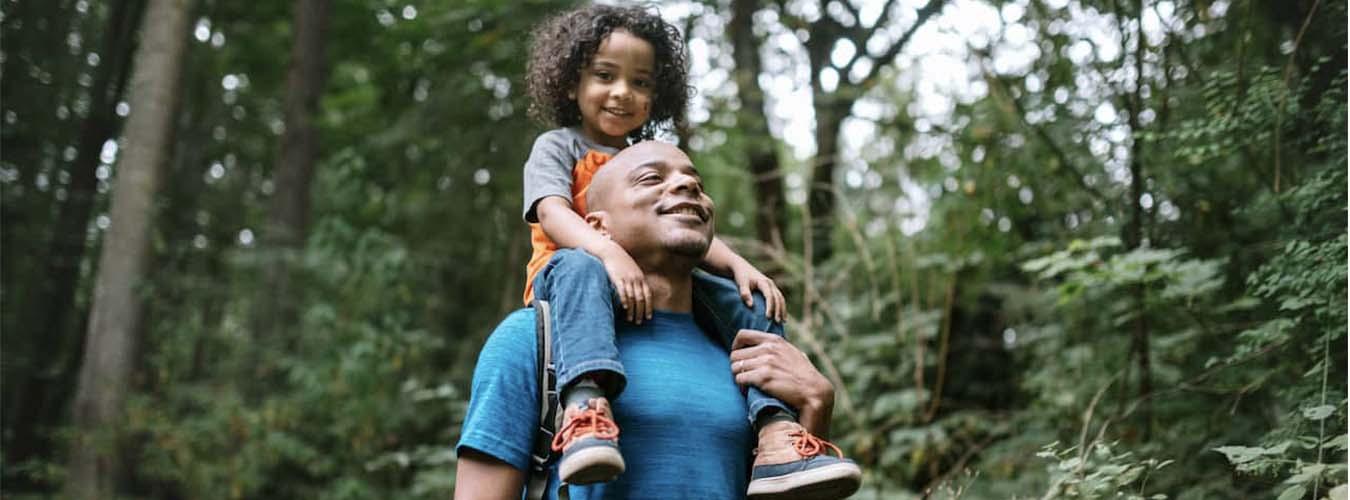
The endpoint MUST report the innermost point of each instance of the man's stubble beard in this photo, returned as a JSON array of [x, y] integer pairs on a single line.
[[691, 247]]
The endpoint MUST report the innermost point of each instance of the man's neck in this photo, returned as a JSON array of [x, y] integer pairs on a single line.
[[674, 294], [671, 283]]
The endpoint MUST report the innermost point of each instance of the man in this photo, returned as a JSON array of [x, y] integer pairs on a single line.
[[683, 414]]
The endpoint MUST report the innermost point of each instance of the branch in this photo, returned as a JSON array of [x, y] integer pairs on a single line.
[[924, 13], [944, 341], [789, 19], [1043, 135], [881, 22], [852, 11]]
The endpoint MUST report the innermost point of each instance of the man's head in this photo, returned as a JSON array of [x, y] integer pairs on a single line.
[[649, 199]]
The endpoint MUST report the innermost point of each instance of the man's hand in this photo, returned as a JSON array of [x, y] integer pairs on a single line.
[[777, 367], [748, 279], [629, 283]]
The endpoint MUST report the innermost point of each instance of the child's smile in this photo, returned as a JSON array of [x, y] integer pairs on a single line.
[[614, 93]]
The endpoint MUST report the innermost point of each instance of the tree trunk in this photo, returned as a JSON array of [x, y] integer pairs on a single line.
[[833, 106], [53, 298], [288, 215], [829, 118], [1134, 230], [114, 327], [751, 119]]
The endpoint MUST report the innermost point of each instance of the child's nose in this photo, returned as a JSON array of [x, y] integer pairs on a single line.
[[620, 90]]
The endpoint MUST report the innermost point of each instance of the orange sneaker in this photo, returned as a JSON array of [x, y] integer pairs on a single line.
[[791, 463], [589, 442]]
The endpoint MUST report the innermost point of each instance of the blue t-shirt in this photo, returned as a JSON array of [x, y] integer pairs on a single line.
[[683, 430]]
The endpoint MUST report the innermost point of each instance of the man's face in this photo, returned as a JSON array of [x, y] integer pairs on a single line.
[[657, 203]]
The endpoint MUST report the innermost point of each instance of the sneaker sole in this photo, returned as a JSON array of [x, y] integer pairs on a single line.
[[830, 482], [594, 465]]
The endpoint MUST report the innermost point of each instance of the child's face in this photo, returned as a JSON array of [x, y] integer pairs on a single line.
[[615, 90]]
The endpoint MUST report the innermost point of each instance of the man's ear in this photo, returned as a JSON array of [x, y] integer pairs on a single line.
[[599, 221]]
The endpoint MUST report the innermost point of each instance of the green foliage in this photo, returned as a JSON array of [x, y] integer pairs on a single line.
[[1099, 472], [985, 298]]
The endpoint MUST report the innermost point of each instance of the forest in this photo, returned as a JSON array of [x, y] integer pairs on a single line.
[[1041, 248]]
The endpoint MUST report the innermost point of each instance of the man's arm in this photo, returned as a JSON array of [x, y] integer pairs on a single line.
[[501, 421], [480, 476], [777, 367]]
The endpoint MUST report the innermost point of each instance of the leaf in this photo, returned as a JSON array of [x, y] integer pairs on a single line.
[[1243, 454], [1293, 493], [1337, 493], [1336, 443], [1318, 412], [1307, 473]]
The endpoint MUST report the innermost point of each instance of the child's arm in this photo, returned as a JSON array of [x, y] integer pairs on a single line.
[[722, 261], [569, 230]]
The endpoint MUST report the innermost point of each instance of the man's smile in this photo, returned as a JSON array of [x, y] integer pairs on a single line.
[[686, 209]]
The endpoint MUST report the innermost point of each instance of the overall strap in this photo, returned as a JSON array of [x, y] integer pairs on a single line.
[[548, 401]]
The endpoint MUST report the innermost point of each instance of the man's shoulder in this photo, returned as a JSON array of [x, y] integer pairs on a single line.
[[514, 334], [503, 409]]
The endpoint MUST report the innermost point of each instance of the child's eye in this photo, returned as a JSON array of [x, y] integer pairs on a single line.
[[604, 75], [646, 84]]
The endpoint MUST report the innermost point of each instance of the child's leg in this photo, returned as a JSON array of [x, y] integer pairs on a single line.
[[581, 298], [789, 461], [582, 302], [719, 309]]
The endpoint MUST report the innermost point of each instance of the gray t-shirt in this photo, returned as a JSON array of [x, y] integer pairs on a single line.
[[548, 171]]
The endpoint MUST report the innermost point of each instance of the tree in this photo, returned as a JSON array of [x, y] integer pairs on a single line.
[[114, 335], [751, 118], [835, 87], [53, 298], [288, 216]]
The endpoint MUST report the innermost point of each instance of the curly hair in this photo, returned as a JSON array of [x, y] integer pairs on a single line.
[[564, 44]]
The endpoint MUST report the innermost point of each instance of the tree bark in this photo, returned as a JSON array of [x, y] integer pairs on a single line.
[[1134, 230], [833, 106], [288, 215], [53, 297], [829, 118], [751, 119], [114, 328]]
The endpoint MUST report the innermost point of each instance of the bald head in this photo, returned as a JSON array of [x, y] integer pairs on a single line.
[[649, 199], [611, 177]]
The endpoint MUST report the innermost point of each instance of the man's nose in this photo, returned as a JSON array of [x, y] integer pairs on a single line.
[[685, 183]]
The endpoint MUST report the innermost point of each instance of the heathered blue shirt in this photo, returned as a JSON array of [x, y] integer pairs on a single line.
[[683, 430]]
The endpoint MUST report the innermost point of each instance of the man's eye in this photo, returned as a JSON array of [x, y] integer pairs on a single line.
[[649, 179]]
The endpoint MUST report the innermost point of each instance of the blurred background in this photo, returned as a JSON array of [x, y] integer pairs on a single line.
[[1043, 248]]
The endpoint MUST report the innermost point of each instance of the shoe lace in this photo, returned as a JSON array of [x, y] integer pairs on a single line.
[[808, 445], [589, 421]]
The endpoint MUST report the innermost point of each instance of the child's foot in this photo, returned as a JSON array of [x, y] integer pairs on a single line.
[[589, 442], [790, 463]]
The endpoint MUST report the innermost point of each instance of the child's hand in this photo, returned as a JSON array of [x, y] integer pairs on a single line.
[[749, 279], [630, 284]]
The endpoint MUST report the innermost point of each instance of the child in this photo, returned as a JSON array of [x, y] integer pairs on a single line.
[[607, 76]]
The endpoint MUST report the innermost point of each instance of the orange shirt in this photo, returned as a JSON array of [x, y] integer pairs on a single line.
[[543, 247]]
